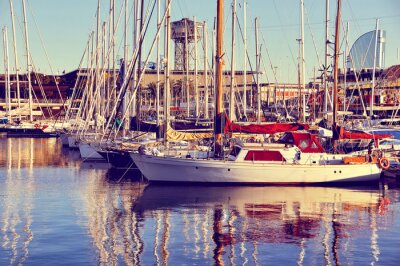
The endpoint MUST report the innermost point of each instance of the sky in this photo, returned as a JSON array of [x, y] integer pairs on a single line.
[[59, 30]]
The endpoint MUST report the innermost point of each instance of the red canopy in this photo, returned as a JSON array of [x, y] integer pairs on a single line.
[[344, 134], [263, 129], [307, 142]]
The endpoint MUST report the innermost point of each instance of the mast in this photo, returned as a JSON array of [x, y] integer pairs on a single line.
[[219, 65], [257, 72], [374, 69], [28, 62], [232, 92], [166, 68], [158, 67], [136, 37], [96, 92], [303, 76], [245, 60], [196, 92], [187, 68], [140, 67], [325, 74], [345, 67], [7, 73], [114, 75], [15, 57], [336, 63], [126, 55], [205, 71]]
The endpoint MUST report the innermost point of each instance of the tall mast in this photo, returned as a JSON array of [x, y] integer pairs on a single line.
[[219, 65], [336, 63], [303, 76], [325, 74], [7, 73], [114, 75], [126, 4], [15, 56], [126, 56], [205, 71], [166, 68], [136, 36], [232, 92], [196, 92], [158, 67], [258, 73], [186, 51], [97, 66], [345, 66], [374, 69], [140, 67], [244, 60], [28, 62]]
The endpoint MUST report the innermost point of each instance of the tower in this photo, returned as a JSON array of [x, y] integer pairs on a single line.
[[183, 34]]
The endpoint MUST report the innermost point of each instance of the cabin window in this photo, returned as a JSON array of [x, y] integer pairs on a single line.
[[314, 146], [304, 144]]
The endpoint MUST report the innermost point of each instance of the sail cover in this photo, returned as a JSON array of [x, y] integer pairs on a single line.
[[263, 128]]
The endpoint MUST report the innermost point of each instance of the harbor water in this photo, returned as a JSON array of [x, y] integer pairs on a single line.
[[56, 209]]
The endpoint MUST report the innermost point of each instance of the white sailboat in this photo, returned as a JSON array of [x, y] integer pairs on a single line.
[[277, 164]]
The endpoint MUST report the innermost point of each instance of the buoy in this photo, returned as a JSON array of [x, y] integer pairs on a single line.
[[384, 163]]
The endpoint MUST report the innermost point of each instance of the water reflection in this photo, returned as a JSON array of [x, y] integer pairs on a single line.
[[111, 217], [17, 218], [236, 222], [31, 152], [112, 224]]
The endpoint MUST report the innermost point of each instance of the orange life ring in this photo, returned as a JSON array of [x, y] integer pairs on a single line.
[[384, 163]]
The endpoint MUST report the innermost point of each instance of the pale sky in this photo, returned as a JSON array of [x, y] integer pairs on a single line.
[[62, 27]]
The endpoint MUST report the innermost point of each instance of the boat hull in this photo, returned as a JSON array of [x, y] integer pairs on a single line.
[[118, 159], [89, 153], [30, 133], [165, 169]]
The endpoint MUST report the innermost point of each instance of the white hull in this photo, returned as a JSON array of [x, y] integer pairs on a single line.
[[169, 169], [88, 152]]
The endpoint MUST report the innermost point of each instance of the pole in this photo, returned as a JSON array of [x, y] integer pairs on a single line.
[[345, 66], [196, 92], [374, 70], [7, 73], [158, 67], [219, 65], [336, 63], [258, 72], [325, 74], [16, 65], [245, 60], [205, 71], [28, 62], [231, 91], [303, 75], [166, 69]]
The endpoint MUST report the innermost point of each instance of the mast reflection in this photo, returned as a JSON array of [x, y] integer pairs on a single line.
[[112, 225], [237, 221], [19, 191], [30, 152]]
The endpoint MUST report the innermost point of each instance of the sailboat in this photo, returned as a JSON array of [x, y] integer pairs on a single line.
[[251, 164]]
